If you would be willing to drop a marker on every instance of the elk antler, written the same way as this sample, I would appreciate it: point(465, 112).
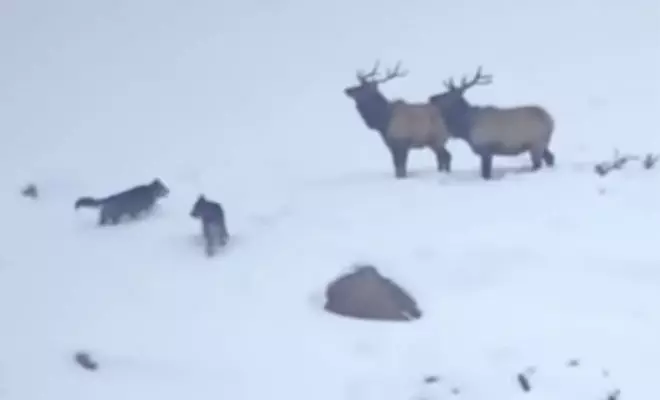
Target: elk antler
point(364, 78)
point(479, 79)
point(389, 75)
point(393, 73)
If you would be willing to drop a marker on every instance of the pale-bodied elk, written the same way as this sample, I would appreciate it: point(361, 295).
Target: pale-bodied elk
point(403, 126)
point(496, 131)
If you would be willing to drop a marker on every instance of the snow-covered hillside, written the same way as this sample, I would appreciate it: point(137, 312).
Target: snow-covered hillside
point(243, 101)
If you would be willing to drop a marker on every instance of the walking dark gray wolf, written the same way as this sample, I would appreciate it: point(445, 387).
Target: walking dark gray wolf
point(131, 202)
point(214, 225)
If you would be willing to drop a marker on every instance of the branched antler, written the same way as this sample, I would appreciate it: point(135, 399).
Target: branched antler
point(370, 77)
point(393, 73)
point(364, 78)
point(478, 79)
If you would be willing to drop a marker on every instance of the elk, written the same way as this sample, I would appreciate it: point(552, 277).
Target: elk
point(496, 131)
point(403, 126)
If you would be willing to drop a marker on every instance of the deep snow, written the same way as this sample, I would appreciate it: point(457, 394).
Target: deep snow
point(244, 102)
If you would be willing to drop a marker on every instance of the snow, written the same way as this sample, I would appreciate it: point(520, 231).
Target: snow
point(243, 101)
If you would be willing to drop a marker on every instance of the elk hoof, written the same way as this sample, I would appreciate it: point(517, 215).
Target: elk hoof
point(400, 173)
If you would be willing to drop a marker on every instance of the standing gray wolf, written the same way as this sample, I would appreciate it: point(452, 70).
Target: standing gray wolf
point(131, 202)
point(214, 226)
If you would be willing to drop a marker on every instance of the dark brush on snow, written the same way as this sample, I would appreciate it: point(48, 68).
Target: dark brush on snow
point(650, 160)
point(524, 383)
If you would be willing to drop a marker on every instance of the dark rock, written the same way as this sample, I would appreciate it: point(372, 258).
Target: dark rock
point(85, 360)
point(366, 294)
point(573, 363)
point(30, 191)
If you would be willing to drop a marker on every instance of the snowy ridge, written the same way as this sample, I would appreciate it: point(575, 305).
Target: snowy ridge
point(244, 103)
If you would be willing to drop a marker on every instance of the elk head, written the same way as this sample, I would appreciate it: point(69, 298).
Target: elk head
point(453, 106)
point(453, 99)
point(367, 86)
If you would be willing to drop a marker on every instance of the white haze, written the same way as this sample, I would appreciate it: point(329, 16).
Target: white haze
point(244, 101)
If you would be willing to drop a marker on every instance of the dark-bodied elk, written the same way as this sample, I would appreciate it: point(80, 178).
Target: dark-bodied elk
point(403, 126)
point(496, 131)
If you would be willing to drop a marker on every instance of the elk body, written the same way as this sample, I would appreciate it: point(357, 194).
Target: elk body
point(403, 126)
point(496, 131)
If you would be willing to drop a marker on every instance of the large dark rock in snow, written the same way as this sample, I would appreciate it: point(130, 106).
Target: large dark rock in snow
point(366, 294)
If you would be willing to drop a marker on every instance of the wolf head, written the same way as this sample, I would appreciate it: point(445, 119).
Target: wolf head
point(159, 188)
point(198, 208)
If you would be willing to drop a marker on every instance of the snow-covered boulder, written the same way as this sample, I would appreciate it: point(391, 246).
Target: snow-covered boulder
point(366, 294)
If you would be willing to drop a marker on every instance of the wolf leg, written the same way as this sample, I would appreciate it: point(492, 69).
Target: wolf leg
point(209, 238)
point(209, 248)
point(103, 218)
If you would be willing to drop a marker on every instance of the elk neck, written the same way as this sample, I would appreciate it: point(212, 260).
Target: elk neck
point(375, 111)
point(459, 120)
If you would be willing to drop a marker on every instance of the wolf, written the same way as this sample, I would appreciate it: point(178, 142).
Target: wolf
point(131, 202)
point(214, 225)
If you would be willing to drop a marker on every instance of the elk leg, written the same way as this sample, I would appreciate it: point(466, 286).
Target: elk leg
point(443, 158)
point(537, 160)
point(549, 158)
point(399, 150)
point(486, 165)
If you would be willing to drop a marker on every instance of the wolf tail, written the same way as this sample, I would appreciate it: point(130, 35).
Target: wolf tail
point(87, 202)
